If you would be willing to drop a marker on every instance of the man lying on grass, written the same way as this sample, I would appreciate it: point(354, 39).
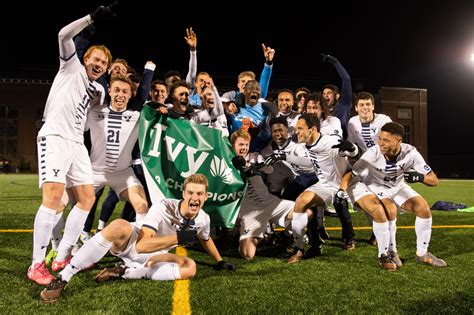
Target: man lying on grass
point(144, 250)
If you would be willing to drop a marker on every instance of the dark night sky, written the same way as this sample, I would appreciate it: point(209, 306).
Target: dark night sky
point(419, 44)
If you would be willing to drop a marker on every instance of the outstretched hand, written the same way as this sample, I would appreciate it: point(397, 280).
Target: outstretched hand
point(103, 13)
point(329, 59)
point(275, 157)
point(191, 38)
point(269, 53)
point(344, 145)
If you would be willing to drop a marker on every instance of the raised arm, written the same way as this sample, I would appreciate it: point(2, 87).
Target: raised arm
point(266, 75)
point(342, 109)
point(143, 90)
point(66, 44)
point(191, 40)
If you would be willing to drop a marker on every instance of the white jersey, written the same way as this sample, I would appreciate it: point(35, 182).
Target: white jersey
point(375, 171)
point(366, 135)
point(203, 118)
point(113, 136)
point(291, 119)
point(71, 95)
point(294, 151)
point(328, 164)
point(165, 218)
point(331, 126)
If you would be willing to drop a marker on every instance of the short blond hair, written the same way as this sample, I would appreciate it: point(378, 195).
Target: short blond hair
point(241, 133)
point(196, 179)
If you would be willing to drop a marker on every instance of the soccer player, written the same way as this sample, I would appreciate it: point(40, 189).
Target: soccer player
point(382, 168)
point(328, 154)
point(63, 161)
point(169, 223)
point(364, 129)
point(258, 207)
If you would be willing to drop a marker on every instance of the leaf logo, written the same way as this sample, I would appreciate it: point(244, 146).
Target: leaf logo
point(219, 168)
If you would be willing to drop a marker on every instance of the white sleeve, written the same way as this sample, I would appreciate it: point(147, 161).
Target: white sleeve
point(66, 44)
point(191, 76)
point(154, 217)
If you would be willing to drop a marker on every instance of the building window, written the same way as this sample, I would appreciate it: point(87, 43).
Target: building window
point(407, 136)
point(404, 113)
point(8, 129)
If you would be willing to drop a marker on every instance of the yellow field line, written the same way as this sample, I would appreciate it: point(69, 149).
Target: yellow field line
point(465, 226)
point(181, 291)
point(399, 227)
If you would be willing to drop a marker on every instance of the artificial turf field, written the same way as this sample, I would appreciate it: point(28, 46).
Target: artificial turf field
point(337, 282)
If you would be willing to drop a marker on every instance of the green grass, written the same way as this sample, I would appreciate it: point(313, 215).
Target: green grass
point(337, 282)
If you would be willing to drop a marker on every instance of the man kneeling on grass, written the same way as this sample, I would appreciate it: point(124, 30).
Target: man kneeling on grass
point(144, 250)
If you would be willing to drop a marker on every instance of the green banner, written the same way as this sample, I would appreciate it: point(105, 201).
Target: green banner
point(173, 149)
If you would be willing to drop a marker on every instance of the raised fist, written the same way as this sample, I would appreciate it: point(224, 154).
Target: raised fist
point(103, 13)
point(329, 59)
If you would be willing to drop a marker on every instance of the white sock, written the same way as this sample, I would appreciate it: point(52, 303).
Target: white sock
point(136, 273)
point(392, 228)
point(74, 225)
point(101, 225)
point(423, 234)
point(43, 228)
point(57, 230)
point(164, 271)
point(300, 221)
point(91, 252)
point(139, 217)
point(383, 236)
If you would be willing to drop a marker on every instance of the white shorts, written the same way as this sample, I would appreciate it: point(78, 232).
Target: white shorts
point(63, 161)
point(323, 191)
point(254, 220)
point(118, 181)
point(130, 256)
point(398, 194)
point(358, 190)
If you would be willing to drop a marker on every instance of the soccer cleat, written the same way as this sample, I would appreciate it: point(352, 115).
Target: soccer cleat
point(430, 259)
point(372, 240)
point(75, 249)
point(314, 251)
point(298, 254)
point(108, 274)
point(39, 274)
point(51, 255)
point(52, 292)
point(395, 258)
point(323, 233)
point(59, 265)
point(349, 244)
point(85, 236)
point(387, 263)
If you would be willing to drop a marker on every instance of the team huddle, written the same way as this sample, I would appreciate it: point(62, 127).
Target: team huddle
point(299, 154)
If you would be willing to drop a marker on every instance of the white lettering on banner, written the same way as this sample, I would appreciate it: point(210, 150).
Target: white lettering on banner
point(173, 154)
point(154, 151)
point(193, 165)
point(172, 184)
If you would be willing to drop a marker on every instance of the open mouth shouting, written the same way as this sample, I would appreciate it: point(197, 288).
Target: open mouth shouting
point(194, 205)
